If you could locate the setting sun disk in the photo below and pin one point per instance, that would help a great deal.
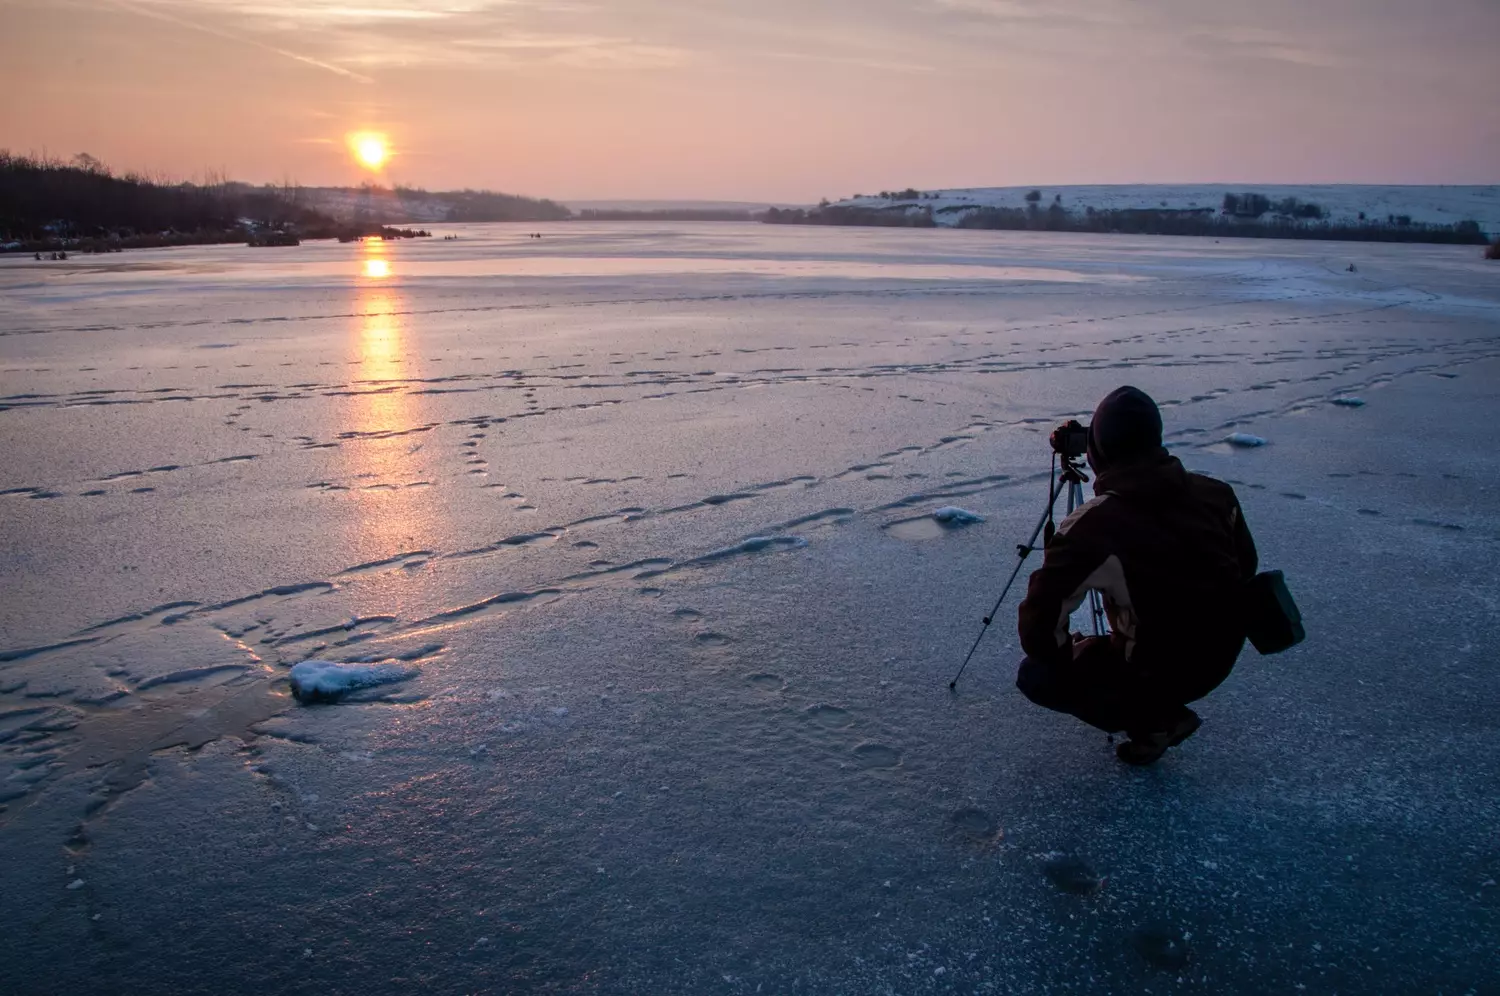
(370, 149)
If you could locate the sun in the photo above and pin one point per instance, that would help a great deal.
(371, 149)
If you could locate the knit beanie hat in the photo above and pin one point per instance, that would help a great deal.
(1126, 428)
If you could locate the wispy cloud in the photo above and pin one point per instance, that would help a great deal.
(155, 12)
(315, 12)
(1261, 43)
(379, 33)
(524, 41)
(1045, 30)
(1058, 11)
(860, 62)
(582, 51)
(879, 35)
(1164, 29)
(626, 55)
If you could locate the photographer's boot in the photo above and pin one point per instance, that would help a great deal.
(1146, 747)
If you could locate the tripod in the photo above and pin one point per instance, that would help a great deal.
(1072, 477)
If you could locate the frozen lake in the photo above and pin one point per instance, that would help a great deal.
(640, 518)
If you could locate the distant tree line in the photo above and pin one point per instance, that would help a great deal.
(1253, 205)
(898, 216)
(81, 203)
(1203, 221)
(486, 205)
(909, 194)
(48, 204)
(1242, 215)
(666, 214)
(47, 198)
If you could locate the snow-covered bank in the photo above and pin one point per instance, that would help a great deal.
(1345, 204)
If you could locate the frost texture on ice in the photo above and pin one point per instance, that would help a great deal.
(1243, 439)
(325, 681)
(952, 515)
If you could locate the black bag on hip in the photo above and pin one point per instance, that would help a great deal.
(1272, 621)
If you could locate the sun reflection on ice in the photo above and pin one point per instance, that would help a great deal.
(380, 343)
(385, 472)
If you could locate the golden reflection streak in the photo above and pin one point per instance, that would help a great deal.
(380, 464)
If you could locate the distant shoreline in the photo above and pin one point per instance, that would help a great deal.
(1167, 226)
(94, 245)
(47, 205)
(1452, 215)
(1411, 236)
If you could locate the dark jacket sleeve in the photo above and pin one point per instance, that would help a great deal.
(1244, 543)
(1055, 590)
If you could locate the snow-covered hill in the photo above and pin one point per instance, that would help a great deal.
(1343, 203)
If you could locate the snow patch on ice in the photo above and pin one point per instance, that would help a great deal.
(1243, 439)
(326, 681)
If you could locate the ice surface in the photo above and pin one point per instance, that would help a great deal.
(755, 544)
(1244, 439)
(658, 540)
(325, 681)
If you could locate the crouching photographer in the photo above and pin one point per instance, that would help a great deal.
(1170, 556)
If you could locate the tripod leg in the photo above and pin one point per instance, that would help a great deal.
(1023, 552)
(1096, 602)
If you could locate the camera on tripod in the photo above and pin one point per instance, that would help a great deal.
(1070, 440)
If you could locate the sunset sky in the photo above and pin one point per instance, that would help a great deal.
(775, 100)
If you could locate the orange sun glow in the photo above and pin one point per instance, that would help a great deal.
(370, 149)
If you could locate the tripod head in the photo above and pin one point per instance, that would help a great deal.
(1074, 471)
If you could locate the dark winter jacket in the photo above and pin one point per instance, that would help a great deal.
(1169, 551)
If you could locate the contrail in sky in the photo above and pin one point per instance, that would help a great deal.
(220, 33)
